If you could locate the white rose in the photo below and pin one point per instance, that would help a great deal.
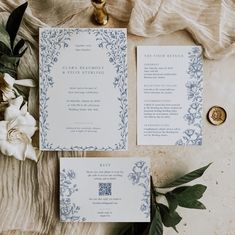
(17, 130)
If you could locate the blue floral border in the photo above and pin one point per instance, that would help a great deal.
(69, 211)
(140, 177)
(193, 117)
(114, 41)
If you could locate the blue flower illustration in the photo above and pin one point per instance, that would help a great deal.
(193, 135)
(68, 211)
(140, 177)
(51, 43)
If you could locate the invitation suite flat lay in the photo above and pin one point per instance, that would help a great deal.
(105, 189)
(83, 89)
(169, 95)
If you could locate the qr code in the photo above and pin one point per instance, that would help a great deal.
(105, 189)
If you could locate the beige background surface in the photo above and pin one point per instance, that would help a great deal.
(29, 191)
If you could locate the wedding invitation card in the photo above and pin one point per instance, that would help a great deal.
(105, 189)
(169, 95)
(83, 89)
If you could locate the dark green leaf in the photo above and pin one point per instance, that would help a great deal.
(14, 22)
(8, 68)
(18, 47)
(172, 202)
(4, 49)
(22, 53)
(180, 189)
(189, 193)
(4, 69)
(192, 204)
(169, 219)
(156, 227)
(5, 38)
(188, 177)
(9, 61)
(187, 196)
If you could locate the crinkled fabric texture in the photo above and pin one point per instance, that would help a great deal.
(29, 192)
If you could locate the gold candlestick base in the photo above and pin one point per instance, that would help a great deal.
(100, 14)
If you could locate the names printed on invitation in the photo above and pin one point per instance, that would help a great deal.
(83, 89)
(85, 98)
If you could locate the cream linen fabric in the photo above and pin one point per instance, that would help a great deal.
(29, 192)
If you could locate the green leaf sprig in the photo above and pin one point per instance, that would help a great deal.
(10, 51)
(183, 196)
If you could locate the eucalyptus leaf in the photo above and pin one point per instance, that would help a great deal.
(14, 22)
(156, 227)
(5, 38)
(169, 219)
(187, 178)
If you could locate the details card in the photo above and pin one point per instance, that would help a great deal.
(105, 189)
(169, 95)
(83, 89)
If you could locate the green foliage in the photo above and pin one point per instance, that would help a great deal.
(169, 218)
(192, 204)
(187, 178)
(9, 54)
(156, 227)
(189, 192)
(184, 196)
(5, 38)
(14, 21)
(172, 201)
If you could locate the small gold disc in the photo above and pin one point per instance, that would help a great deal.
(216, 115)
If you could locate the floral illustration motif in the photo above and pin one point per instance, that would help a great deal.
(140, 177)
(193, 135)
(51, 41)
(68, 211)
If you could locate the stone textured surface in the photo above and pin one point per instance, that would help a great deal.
(29, 192)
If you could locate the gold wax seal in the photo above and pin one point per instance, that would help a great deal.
(216, 115)
(100, 14)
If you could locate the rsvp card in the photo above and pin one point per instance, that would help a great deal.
(169, 95)
(83, 89)
(104, 190)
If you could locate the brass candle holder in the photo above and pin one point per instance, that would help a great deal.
(100, 14)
